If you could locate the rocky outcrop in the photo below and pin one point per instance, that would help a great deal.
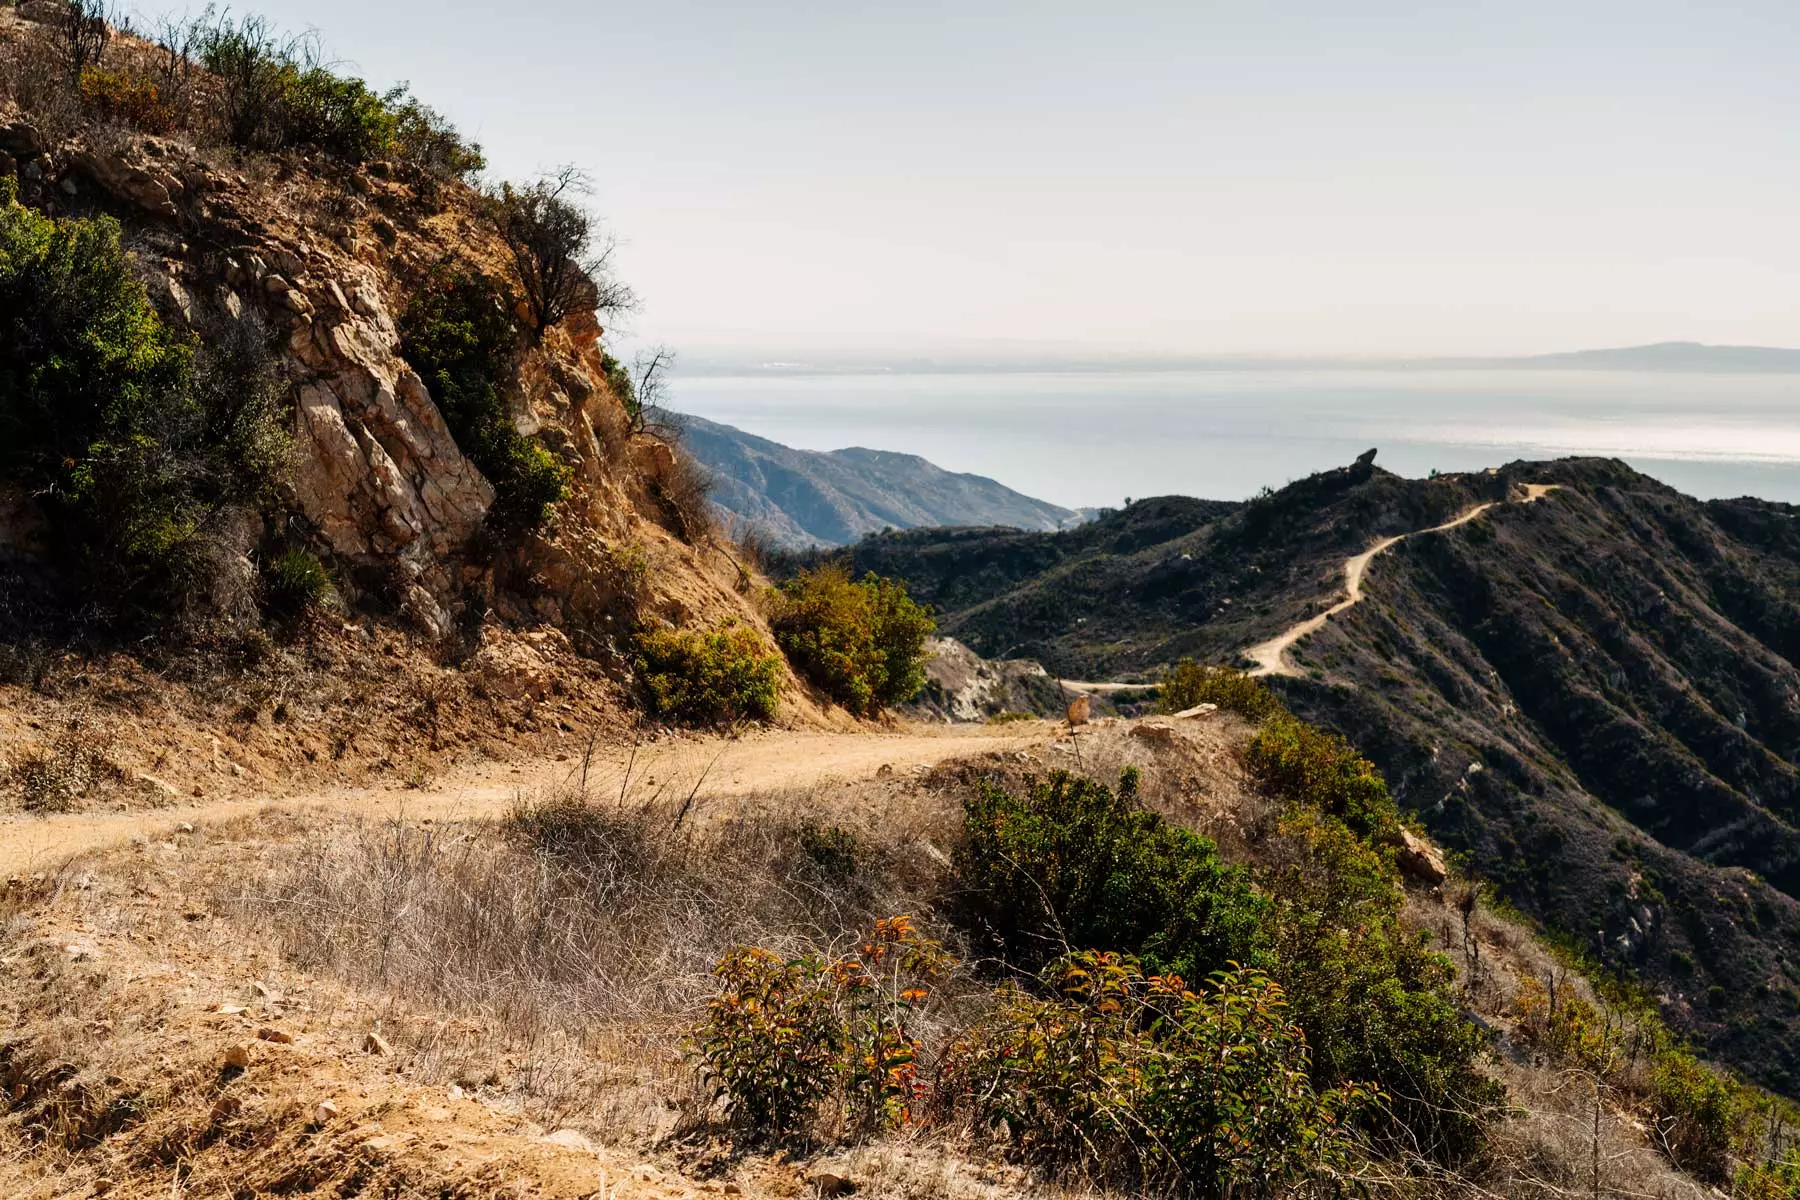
(960, 685)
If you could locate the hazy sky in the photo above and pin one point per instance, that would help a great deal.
(1331, 176)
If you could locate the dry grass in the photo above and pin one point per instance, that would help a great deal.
(583, 929)
(550, 964)
(71, 770)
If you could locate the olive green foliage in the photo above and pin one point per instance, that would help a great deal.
(1144, 1081)
(1303, 764)
(783, 1036)
(1777, 1179)
(1073, 861)
(718, 677)
(460, 337)
(276, 94)
(1189, 683)
(1696, 1112)
(861, 642)
(1377, 1003)
(134, 439)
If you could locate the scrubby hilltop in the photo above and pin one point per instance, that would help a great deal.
(1594, 696)
(307, 421)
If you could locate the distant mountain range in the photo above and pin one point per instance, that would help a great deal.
(812, 498)
(1659, 356)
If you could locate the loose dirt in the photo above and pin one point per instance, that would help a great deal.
(710, 769)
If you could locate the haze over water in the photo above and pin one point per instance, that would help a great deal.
(1094, 438)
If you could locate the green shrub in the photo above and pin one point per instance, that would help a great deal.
(135, 440)
(1695, 1114)
(1190, 683)
(1778, 1179)
(1073, 862)
(1302, 764)
(460, 336)
(862, 643)
(294, 581)
(424, 137)
(783, 1035)
(1143, 1081)
(275, 94)
(715, 678)
(1376, 1003)
(341, 117)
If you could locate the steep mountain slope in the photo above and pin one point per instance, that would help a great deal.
(1594, 696)
(803, 498)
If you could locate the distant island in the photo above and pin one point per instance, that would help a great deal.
(811, 498)
(1661, 356)
(1674, 357)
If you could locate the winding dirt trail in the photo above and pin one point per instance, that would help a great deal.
(711, 768)
(1271, 658)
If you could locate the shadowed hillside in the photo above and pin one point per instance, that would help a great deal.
(1594, 697)
(804, 498)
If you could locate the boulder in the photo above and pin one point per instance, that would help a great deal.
(1155, 732)
(153, 191)
(1419, 860)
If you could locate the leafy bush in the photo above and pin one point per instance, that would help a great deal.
(1190, 683)
(1302, 764)
(277, 94)
(1694, 1113)
(1559, 1022)
(426, 138)
(715, 678)
(782, 1036)
(337, 115)
(862, 643)
(1144, 1081)
(136, 440)
(1376, 1003)
(1778, 1179)
(458, 334)
(1073, 862)
(127, 99)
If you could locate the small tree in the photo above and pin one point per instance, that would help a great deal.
(862, 642)
(551, 237)
(255, 67)
(85, 28)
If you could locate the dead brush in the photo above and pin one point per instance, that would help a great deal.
(575, 939)
(74, 768)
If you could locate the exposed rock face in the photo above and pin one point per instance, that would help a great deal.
(960, 685)
(379, 473)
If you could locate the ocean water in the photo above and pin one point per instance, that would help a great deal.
(1096, 438)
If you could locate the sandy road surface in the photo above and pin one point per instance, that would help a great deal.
(1270, 657)
(717, 767)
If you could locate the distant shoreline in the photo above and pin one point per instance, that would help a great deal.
(1678, 358)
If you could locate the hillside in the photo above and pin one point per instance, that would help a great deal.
(1594, 697)
(408, 789)
(804, 498)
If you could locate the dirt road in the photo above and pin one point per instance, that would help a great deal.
(1271, 658)
(712, 768)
